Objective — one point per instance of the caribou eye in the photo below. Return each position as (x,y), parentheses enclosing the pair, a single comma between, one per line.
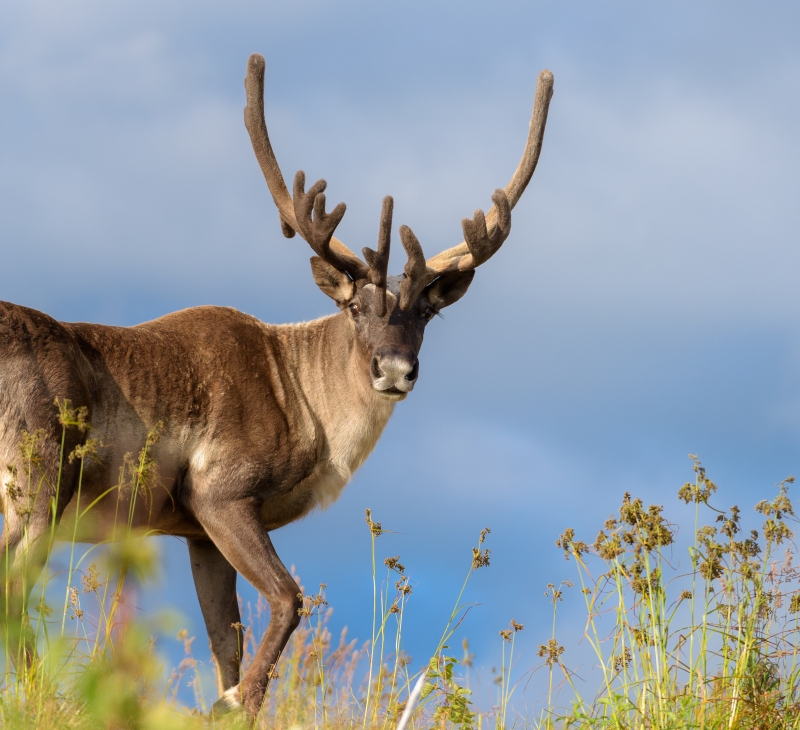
(428,314)
(354,309)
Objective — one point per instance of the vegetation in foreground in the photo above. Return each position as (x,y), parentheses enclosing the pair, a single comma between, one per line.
(713,647)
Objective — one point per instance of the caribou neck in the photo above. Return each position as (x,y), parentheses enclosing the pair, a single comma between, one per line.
(332,375)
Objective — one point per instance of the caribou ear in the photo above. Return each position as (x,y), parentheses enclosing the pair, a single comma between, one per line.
(336,284)
(449,288)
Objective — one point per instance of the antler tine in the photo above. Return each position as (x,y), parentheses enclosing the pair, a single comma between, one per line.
(336,253)
(379,260)
(259,137)
(418,273)
(459,257)
(318,229)
(482,244)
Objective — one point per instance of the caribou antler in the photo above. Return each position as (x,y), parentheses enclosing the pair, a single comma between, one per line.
(483,235)
(305,214)
(318,229)
(418,274)
(295,215)
(379,260)
(481,246)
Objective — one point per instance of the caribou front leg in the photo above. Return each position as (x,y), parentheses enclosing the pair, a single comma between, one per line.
(235,528)
(26,540)
(215,581)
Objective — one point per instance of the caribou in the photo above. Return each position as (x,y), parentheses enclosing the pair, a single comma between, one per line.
(260,423)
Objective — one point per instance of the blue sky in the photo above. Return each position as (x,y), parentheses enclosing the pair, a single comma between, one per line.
(644,307)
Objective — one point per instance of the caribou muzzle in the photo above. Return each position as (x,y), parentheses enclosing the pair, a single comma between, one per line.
(394,372)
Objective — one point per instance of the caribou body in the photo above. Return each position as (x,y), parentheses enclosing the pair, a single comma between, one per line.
(260,423)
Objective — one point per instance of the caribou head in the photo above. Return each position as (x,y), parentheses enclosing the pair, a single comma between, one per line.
(388,314)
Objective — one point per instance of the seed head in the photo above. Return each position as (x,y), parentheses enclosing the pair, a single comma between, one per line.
(395,564)
(75,602)
(480,558)
(623,660)
(90,582)
(374,527)
(403,587)
(551,652)
(86,451)
(570,545)
(70,417)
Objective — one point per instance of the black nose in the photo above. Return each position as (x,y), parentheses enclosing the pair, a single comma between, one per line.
(394,364)
(375,368)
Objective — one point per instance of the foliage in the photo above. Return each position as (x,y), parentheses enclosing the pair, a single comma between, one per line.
(713,647)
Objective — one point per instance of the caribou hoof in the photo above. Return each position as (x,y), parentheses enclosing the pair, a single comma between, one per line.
(228,703)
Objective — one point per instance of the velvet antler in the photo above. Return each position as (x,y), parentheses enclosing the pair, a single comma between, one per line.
(295,215)
(305,214)
(483,234)
(379,260)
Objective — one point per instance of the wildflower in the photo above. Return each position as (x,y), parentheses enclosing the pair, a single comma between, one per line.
(70,417)
(73,599)
(775,530)
(395,564)
(702,489)
(551,652)
(90,582)
(30,445)
(570,545)
(480,558)
(402,586)
(374,527)
(608,548)
(311,602)
(623,660)
(86,451)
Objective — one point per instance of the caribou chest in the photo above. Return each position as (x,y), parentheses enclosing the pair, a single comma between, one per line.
(348,439)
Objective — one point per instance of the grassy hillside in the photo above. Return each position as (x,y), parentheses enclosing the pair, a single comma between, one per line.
(712,647)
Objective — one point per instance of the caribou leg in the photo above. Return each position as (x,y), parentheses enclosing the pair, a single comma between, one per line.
(28,532)
(23,554)
(215,581)
(236,529)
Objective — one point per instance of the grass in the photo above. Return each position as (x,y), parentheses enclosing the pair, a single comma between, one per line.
(714,646)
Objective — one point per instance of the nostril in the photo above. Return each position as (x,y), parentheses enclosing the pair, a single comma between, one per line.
(414,372)
(375,368)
